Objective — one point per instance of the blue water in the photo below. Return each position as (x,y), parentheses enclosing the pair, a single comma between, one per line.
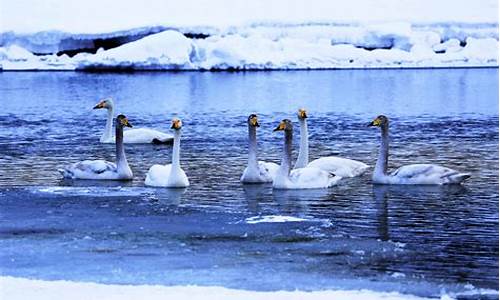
(417,240)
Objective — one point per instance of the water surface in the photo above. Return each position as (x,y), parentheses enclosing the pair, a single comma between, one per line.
(419,240)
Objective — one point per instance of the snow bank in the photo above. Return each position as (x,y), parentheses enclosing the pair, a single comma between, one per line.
(19,288)
(247,35)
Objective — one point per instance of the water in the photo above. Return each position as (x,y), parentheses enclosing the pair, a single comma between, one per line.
(419,240)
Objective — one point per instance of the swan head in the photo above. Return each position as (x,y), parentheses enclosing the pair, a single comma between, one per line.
(285,125)
(252,120)
(122,121)
(302,114)
(380,121)
(176,124)
(106,103)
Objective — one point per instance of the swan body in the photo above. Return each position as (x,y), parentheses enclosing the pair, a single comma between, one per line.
(342,167)
(170,175)
(415,174)
(256,171)
(301,178)
(101,169)
(339,166)
(132,136)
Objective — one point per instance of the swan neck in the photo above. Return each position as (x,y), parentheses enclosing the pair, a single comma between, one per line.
(252,146)
(108,130)
(303,158)
(176,164)
(383,156)
(287,154)
(121,159)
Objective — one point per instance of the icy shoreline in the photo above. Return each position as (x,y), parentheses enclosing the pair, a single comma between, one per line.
(248,35)
(256,47)
(14,288)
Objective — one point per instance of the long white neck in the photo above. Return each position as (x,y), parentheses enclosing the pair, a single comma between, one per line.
(383,155)
(303,158)
(286,160)
(252,147)
(121,160)
(108,130)
(176,164)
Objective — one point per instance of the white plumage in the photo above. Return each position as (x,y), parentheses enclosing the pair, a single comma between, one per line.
(342,167)
(131,136)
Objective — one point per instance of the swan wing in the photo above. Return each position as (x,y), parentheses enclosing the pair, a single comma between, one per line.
(268,169)
(91,169)
(427,174)
(158,175)
(342,167)
(312,178)
(146,136)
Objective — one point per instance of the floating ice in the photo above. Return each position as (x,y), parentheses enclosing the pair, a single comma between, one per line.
(274,219)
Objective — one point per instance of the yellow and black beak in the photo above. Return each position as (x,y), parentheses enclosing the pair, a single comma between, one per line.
(377,122)
(176,124)
(126,123)
(302,113)
(280,127)
(254,122)
(99,105)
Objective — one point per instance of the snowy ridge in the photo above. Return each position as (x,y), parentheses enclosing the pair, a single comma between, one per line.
(285,46)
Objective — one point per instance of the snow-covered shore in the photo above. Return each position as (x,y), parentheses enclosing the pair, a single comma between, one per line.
(221,35)
(13,288)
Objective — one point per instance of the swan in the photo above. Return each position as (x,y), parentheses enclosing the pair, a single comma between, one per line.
(170,175)
(133,136)
(101,169)
(409,174)
(342,167)
(301,178)
(256,171)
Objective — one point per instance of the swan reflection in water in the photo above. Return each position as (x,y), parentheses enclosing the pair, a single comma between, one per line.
(390,198)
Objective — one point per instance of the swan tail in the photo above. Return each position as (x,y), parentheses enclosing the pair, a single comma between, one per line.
(158,141)
(459,177)
(66,173)
(455,178)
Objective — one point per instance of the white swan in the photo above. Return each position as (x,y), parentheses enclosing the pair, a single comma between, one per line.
(342,167)
(302,178)
(170,175)
(410,174)
(256,171)
(101,169)
(133,136)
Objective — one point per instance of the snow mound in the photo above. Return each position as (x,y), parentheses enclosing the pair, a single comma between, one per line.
(165,50)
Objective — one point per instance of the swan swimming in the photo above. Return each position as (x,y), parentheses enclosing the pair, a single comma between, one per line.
(256,171)
(409,174)
(342,167)
(170,175)
(133,136)
(101,169)
(301,178)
